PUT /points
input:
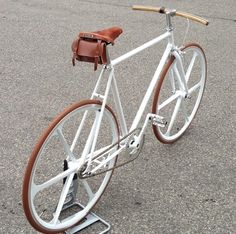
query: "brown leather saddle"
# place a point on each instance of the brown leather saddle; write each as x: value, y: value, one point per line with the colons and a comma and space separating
x: 91, y: 46
x: 107, y: 35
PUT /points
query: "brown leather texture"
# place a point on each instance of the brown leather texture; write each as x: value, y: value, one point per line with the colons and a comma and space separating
x: 108, y: 35
x: 91, y: 46
x: 93, y: 51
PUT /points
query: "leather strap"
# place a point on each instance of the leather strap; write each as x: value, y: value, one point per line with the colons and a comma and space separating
x: 75, y: 53
x: 89, y: 51
x: 98, y: 54
x: 96, y: 58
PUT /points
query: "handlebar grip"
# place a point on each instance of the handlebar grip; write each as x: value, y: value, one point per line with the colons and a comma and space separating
x: 146, y: 8
x: 192, y: 17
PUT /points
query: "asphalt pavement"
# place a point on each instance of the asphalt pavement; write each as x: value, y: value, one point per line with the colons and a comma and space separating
x: 187, y: 187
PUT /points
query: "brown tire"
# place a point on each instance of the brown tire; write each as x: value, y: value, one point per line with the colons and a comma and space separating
x: 163, y: 133
x: 38, y: 165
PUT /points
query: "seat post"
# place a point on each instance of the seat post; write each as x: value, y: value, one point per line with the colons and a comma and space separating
x: 108, y: 56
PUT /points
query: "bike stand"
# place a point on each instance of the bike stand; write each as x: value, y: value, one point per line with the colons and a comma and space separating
x: 88, y: 221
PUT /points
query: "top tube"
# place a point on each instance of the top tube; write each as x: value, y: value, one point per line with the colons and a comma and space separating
x: 141, y: 48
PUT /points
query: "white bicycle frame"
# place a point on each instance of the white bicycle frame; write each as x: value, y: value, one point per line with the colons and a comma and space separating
x: 88, y: 152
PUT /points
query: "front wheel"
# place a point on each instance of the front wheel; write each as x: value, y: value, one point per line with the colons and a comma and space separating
x: 176, y: 109
x: 51, y: 183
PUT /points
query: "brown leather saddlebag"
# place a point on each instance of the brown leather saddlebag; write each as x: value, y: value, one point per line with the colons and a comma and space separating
x: 89, y: 48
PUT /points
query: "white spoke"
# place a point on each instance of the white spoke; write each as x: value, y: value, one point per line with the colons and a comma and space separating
x: 89, y: 141
x: 65, y: 144
x: 62, y: 198
x: 184, y: 110
x: 190, y: 67
x: 36, y: 188
x: 170, y: 99
x: 173, y: 117
x: 88, y: 189
x: 194, y: 88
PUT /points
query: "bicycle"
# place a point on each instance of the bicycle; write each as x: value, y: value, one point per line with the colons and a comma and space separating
x: 77, y: 154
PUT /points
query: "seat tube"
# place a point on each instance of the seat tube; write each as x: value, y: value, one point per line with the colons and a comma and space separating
x: 118, y: 106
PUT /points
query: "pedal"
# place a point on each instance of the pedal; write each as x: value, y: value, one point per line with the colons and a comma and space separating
x: 159, y: 120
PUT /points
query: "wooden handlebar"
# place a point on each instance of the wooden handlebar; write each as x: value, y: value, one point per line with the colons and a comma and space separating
x: 192, y: 17
x: 146, y: 8
x: 163, y: 10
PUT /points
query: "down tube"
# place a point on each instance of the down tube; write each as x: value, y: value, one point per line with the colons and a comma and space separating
x: 151, y: 87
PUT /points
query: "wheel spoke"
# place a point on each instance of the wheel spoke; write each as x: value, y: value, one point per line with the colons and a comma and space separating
x: 190, y: 67
x: 88, y: 189
x: 54, y: 180
x: 194, y: 88
x: 184, y: 111
x: 62, y: 198
x: 34, y: 190
x: 173, y: 117
x: 89, y: 141
x: 169, y: 100
x: 65, y: 144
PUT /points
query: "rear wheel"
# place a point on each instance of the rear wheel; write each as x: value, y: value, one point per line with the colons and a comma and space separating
x: 51, y: 183
x: 170, y: 103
